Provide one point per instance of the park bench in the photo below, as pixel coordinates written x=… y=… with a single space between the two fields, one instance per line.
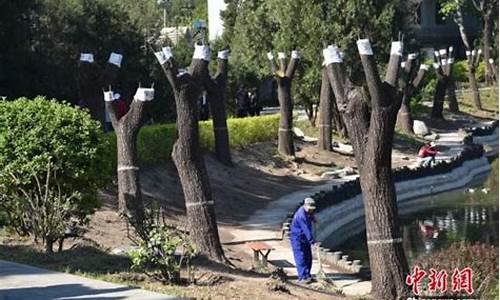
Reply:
x=260 y=252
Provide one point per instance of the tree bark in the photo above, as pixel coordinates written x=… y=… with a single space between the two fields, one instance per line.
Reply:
x=473 y=63
x=325 y=114
x=215 y=94
x=452 y=96
x=438 y=102
x=487 y=34
x=189 y=161
x=414 y=75
x=284 y=79
x=130 y=203
x=371 y=135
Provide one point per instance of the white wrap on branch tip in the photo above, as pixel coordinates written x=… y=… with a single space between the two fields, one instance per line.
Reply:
x=331 y=55
x=468 y=53
x=201 y=52
x=491 y=60
x=450 y=61
x=450 y=50
x=403 y=65
x=364 y=47
x=412 y=56
x=295 y=54
x=442 y=52
x=436 y=53
x=160 y=56
x=115 y=59
x=444 y=62
x=424 y=67
x=270 y=56
x=109 y=96
x=435 y=65
x=281 y=55
x=144 y=94
x=167 y=51
x=87 y=57
x=224 y=54
x=397 y=48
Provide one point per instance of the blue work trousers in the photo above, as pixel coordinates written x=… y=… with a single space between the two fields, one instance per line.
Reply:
x=303 y=257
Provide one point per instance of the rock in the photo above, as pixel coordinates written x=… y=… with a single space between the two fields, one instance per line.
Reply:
x=420 y=128
x=431 y=136
x=298 y=133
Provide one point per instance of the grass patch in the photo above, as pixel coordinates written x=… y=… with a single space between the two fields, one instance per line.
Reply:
x=489 y=100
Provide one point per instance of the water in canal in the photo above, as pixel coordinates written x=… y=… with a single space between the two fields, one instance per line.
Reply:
x=432 y=223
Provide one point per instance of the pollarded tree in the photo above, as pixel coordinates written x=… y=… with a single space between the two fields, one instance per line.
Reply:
x=92 y=79
x=413 y=75
x=455 y=9
x=284 y=76
x=473 y=58
x=186 y=153
x=130 y=203
x=371 y=134
x=216 y=88
x=443 y=66
x=488 y=10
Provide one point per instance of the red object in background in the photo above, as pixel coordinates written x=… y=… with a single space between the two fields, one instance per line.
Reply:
x=121 y=108
x=427 y=151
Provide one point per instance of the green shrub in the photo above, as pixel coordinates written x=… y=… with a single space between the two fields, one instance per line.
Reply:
x=34 y=132
x=155 y=142
x=460 y=69
x=156 y=256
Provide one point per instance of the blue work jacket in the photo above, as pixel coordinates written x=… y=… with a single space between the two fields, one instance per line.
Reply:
x=301 y=228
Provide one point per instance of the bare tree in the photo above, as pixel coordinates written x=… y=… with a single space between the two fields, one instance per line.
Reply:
x=443 y=66
x=487 y=9
x=186 y=154
x=371 y=134
x=127 y=127
x=215 y=87
x=284 y=77
x=92 y=79
x=471 y=70
x=413 y=74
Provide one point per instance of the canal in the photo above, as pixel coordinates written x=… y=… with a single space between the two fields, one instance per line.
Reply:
x=431 y=223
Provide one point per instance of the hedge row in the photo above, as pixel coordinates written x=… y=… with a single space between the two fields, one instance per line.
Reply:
x=155 y=142
x=350 y=189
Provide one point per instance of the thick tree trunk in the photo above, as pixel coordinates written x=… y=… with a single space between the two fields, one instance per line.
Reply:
x=487 y=37
x=189 y=161
x=452 y=97
x=325 y=114
x=471 y=73
x=372 y=145
x=285 y=136
x=284 y=77
x=338 y=122
x=404 y=119
x=438 y=102
x=215 y=95
x=130 y=203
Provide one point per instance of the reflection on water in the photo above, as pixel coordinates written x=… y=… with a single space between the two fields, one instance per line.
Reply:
x=435 y=222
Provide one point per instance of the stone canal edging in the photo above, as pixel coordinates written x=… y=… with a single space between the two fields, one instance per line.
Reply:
x=339 y=208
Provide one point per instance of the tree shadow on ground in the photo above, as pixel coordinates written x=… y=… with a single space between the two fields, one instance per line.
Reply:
x=61 y=291
x=83 y=259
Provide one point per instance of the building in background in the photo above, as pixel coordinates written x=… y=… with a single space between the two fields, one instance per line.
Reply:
x=215 y=23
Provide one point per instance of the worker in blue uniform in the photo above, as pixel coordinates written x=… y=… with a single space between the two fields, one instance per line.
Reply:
x=301 y=238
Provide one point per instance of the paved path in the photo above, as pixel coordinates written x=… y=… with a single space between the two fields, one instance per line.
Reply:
x=23 y=282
